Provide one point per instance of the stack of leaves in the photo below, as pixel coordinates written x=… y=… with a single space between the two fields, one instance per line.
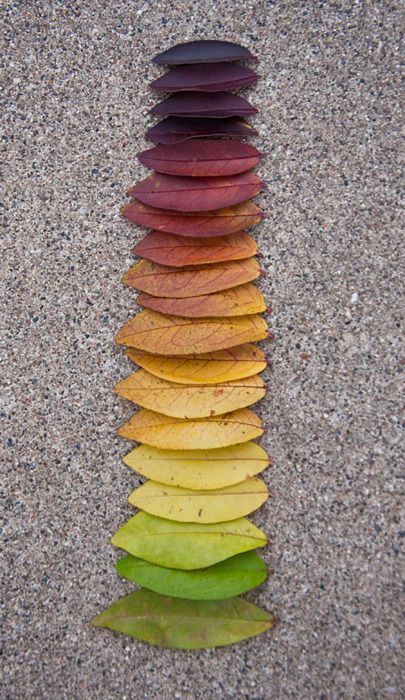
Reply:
x=190 y=545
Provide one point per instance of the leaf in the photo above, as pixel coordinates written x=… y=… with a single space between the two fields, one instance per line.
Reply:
x=176 y=129
x=204 y=104
x=184 y=624
x=203 y=51
x=189 y=506
x=170 y=335
x=195 y=194
x=177 y=251
x=189 y=401
x=162 y=280
x=165 y=432
x=238 y=301
x=207 y=368
x=199 y=224
x=223 y=580
x=225 y=76
x=186 y=545
x=199 y=469
x=201 y=158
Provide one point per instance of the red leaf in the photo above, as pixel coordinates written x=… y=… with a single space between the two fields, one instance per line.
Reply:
x=204 y=104
x=204 y=77
x=203 y=51
x=175 y=129
x=176 y=251
x=201 y=158
x=189 y=194
x=211 y=223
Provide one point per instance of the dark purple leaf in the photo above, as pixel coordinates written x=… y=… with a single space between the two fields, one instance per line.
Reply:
x=203 y=104
x=203 y=51
x=176 y=129
x=205 y=77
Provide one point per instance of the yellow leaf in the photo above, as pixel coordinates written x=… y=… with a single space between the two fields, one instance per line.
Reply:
x=199 y=433
x=214 y=506
x=168 y=335
x=199 y=469
x=189 y=401
x=208 y=368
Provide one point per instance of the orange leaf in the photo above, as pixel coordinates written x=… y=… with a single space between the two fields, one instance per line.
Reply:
x=189 y=400
x=177 y=251
x=208 y=368
x=158 y=333
x=238 y=301
x=162 y=431
x=161 y=280
x=220 y=222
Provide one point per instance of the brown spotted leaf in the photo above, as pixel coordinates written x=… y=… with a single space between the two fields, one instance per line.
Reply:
x=202 y=158
x=189 y=400
x=195 y=194
x=162 y=280
x=204 y=104
x=177 y=129
x=169 y=433
x=220 y=222
x=203 y=51
x=207 y=368
x=225 y=76
x=238 y=301
x=168 y=335
x=177 y=251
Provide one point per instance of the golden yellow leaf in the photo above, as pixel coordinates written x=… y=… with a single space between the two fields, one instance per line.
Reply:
x=207 y=368
x=199 y=433
x=189 y=506
x=168 y=335
x=189 y=401
x=199 y=469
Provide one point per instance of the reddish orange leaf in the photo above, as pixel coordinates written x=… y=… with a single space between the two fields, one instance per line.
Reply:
x=194 y=194
x=169 y=433
x=168 y=335
x=220 y=222
x=161 y=280
x=177 y=251
x=238 y=301
x=207 y=368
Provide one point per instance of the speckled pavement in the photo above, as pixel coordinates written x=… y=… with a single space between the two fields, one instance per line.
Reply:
x=76 y=108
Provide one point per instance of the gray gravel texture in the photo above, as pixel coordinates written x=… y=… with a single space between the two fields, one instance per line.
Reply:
x=76 y=108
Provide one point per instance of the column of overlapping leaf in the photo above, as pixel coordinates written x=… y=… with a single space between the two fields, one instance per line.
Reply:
x=190 y=545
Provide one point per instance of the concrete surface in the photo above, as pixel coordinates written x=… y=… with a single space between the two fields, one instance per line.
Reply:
x=76 y=107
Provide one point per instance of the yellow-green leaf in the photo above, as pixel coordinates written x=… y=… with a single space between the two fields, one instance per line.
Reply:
x=167 y=335
x=186 y=545
x=189 y=401
x=187 y=506
x=199 y=433
x=199 y=469
x=208 y=368
x=184 y=624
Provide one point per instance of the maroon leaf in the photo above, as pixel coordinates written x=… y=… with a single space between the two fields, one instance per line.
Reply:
x=177 y=251
x=205 y=77
x=209 y=223
x=175 y=129
x=203 y=51
x=201 y=158
x=195 y=194
x=203 y=104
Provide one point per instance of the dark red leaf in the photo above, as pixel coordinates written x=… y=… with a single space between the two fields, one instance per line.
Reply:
x=175 y=129
x=205 y=77
x=203 y=51
x=194 y=193
x=210 y=223
x=201 y=158
x=203 y=104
